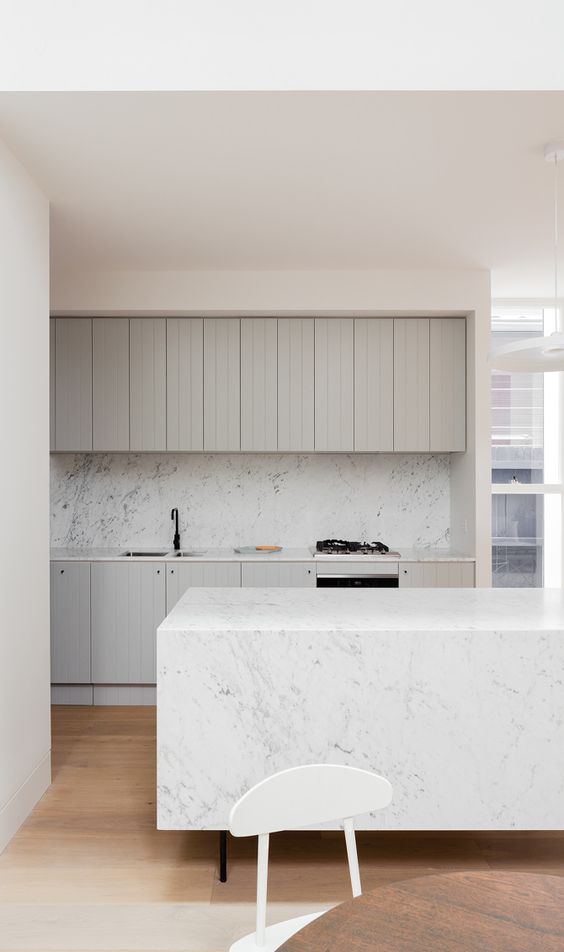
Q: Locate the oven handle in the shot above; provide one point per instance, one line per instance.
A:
(355, 575)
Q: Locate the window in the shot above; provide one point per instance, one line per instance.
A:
(526, 463)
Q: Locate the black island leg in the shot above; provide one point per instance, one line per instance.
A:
(223, 856)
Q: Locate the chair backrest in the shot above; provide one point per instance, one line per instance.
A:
(306, 796)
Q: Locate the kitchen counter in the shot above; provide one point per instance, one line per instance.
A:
(228, 555)
(205, 610)
(454, 695)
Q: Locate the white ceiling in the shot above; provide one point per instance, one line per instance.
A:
(206, 181)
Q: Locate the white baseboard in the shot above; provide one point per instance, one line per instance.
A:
(18, 807)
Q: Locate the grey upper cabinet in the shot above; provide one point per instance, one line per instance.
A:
(296, 373)
(147, 384)
(128, 604)
(185, 383)
(73, 383)
(411, 385)
(259, 385)
(110, 383)
(447, 395)
(70, 622)
(222, 384)
(373, 384)
(334, 399)
(184, 575)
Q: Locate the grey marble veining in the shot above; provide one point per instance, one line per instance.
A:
(114, 500)
(455, 696)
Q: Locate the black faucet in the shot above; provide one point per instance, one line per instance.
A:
(174, 515)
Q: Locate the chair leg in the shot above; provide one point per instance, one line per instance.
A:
(352, 857)
(262, 888)
(223, 856)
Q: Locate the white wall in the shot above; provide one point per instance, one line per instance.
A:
(24, 495)
(329, 292)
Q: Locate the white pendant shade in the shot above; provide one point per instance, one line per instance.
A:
(535, 355)
(538, 354)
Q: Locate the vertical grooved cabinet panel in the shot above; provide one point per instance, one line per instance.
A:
(222, 384)
(110, 383)
(73, 383)
(436, 575)
(278, 575)
(334, 384)
(296, 377)
(447, 384)
(259, 384)
(411, 385)
(147, 383)
(128, 604)
(373, 384)
(70, 622)
(185, 383)
(180, 577)
(52, 344)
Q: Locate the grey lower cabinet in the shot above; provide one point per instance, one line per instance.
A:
(436, 575)
(278, 575)
(128, 604)
(70, 623)
(180, 577)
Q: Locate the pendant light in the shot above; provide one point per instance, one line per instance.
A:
(538, 354)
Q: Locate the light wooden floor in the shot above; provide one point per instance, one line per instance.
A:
(89, 858)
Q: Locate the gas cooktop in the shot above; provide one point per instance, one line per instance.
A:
(344, 547)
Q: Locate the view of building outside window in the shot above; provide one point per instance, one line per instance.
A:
(526, 504)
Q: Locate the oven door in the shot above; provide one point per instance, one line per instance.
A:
(357, 581)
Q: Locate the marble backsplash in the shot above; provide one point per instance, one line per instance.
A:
(105, 499)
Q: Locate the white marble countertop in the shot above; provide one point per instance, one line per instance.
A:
(385, 610)
(74, 554)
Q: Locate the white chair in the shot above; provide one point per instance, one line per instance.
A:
(302, 797)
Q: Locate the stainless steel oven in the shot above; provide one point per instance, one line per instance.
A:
(369, 574)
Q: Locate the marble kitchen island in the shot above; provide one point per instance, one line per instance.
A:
(455, 695)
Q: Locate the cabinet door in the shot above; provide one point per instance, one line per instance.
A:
(110, 383)
(147, 384)
(334, 384)
(73, 384)
(52, 383)
(70, 622)
(373, 384)
(185, 383)
(128, 604)
(436, 575)
(259, 390)
(181, 577)
(222, 384)
(296, 384)
(278, 575)
(411, 385)
(447, 399)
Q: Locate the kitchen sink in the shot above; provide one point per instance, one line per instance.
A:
(145, 555)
